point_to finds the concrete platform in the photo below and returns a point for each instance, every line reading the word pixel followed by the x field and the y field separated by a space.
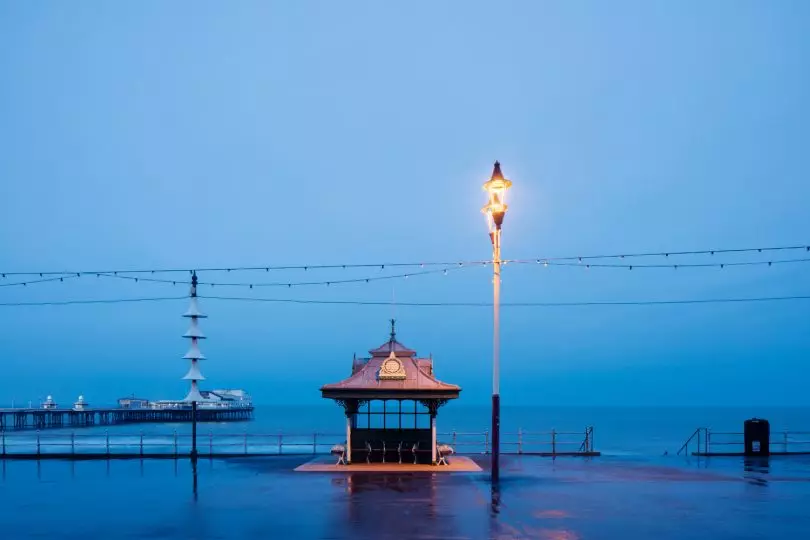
pixel 323 464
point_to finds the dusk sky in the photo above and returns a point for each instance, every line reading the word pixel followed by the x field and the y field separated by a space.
pixel 187 134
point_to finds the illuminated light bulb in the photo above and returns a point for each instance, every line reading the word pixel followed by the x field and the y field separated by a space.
pixel 496 207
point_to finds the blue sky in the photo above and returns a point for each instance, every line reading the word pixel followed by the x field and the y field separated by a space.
pixel 193 134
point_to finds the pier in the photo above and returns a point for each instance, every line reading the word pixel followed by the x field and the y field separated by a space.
pixel 19 419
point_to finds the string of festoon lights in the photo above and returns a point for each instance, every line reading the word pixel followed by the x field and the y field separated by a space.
pixel 687 301
pixel 585 261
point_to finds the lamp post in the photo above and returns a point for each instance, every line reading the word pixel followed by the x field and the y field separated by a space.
pixel 495 210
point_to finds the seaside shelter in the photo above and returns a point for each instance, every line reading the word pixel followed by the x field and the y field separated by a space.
pixel 391 401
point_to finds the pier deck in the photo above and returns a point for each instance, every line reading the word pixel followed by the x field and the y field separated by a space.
pixel 18 419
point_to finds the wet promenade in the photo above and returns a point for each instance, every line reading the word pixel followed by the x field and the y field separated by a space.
pixel 538 498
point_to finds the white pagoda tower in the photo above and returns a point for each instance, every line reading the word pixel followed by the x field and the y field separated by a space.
pixel 194 354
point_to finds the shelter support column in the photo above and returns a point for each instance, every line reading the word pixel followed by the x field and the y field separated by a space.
pixel 433 437
pixel 348 438
pixel 350 407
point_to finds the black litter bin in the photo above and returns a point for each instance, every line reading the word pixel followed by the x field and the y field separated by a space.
pixel 757 435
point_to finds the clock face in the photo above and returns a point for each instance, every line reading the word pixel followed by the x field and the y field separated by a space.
pixel 391 365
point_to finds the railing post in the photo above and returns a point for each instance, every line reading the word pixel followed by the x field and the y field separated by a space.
pixel 107 435
pixel 708 439
pixel 246 442
pixel 486 442
pixel 454 439
pixel 590 440
pixel 141 444
pixel 72 442
pixel 315 443
pixel 210 443
pixel 175 443
pixel 520 440
pixel 553 442
pixel 279 442
pixel 37 442
pixel 698 440
pixel 4 441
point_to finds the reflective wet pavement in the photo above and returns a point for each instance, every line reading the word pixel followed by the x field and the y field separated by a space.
pixel 563 499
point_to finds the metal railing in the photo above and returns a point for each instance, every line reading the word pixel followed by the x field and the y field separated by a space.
pixel 164 444
pixel 522 442
pixel 150 444
pixel 706 441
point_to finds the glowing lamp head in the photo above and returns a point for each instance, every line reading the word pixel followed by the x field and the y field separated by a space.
pixel 496 207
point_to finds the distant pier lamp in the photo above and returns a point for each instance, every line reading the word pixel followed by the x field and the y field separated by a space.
pixel 495 211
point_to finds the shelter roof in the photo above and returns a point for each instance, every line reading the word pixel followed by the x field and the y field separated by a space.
pixel 392 372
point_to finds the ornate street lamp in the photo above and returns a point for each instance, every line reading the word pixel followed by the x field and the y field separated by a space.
pixel 495 210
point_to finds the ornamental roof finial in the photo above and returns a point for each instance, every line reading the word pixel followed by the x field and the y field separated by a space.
pixel 496 172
